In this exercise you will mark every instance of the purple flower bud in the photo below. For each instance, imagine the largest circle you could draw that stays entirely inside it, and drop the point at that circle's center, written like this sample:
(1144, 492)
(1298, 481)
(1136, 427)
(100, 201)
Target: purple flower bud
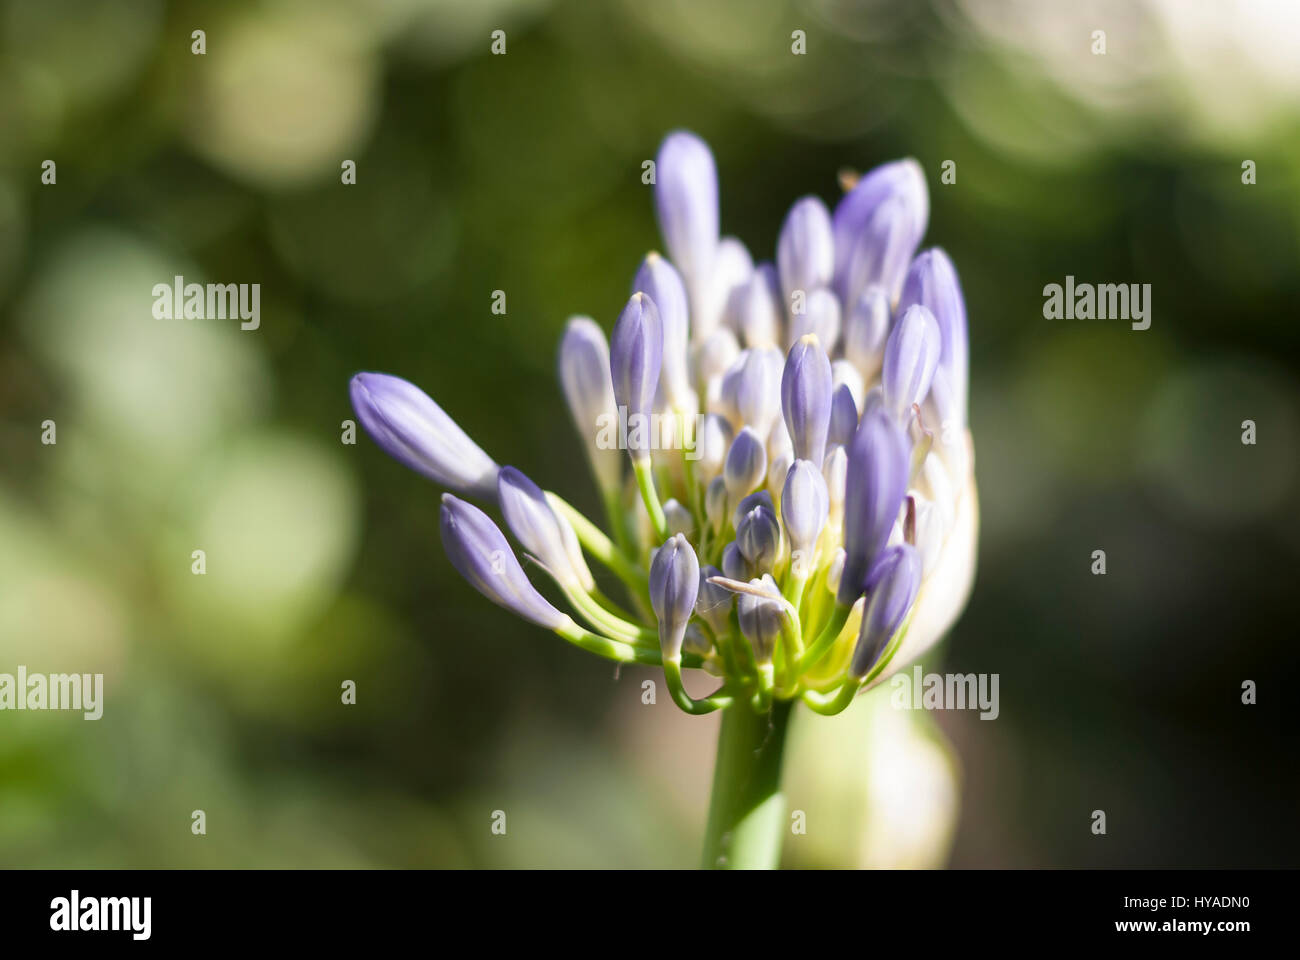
(860, 215)
(804, 507)
(674, 585)
(635, 357)
(697, 642)
(713, 358)
(805, 251)
(760, 619)
(897, 581)
(415, 431)
(835, 471)
(686, 202)
(821, 317)
(755, 309)
(806, 398)
(750, 390)
(732, 269)
(659, 281)
(911, 357)
(734, 564)
(677, 518)
(584, 374)
(479, 552)
(712, 445)
(844, 416)
(882, 252)
(542, 532)
(932, 282)
(755, 499)
(873, 492)
(835, 570)
(776, 472)
(758, 535)
(845, 374)
(746, 464)
(865, 330)
(714, 602)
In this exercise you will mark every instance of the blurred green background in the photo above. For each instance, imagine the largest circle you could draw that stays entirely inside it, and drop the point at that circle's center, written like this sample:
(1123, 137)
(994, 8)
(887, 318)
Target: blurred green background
(522, 173)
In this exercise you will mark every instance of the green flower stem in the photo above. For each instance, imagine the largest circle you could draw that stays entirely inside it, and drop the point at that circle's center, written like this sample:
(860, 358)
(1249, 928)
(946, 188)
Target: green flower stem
(822, 645)
(617, 516)
(609, 606)
(673, 674)
(645, 482)
(598, 545)
(617, 650)
(828, 706)
(606, 622)
(794, 587)
(747, 812)
(762, 699)
(792, 650)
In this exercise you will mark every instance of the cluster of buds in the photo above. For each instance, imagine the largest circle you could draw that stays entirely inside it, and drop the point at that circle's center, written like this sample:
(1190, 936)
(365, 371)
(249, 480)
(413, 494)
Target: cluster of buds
(807, 523)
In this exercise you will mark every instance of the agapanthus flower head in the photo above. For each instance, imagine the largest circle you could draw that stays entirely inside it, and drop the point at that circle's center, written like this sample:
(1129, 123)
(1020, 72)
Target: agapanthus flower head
(815, 527)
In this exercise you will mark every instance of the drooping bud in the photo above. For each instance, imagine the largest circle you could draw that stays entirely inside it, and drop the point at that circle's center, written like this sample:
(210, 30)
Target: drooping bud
(674, 586)
(478, 550)
(407, 425)
(544, 533)
(897, 581)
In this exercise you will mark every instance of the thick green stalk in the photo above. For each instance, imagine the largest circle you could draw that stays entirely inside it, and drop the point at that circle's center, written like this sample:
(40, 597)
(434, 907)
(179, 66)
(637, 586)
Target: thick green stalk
(747, 813)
